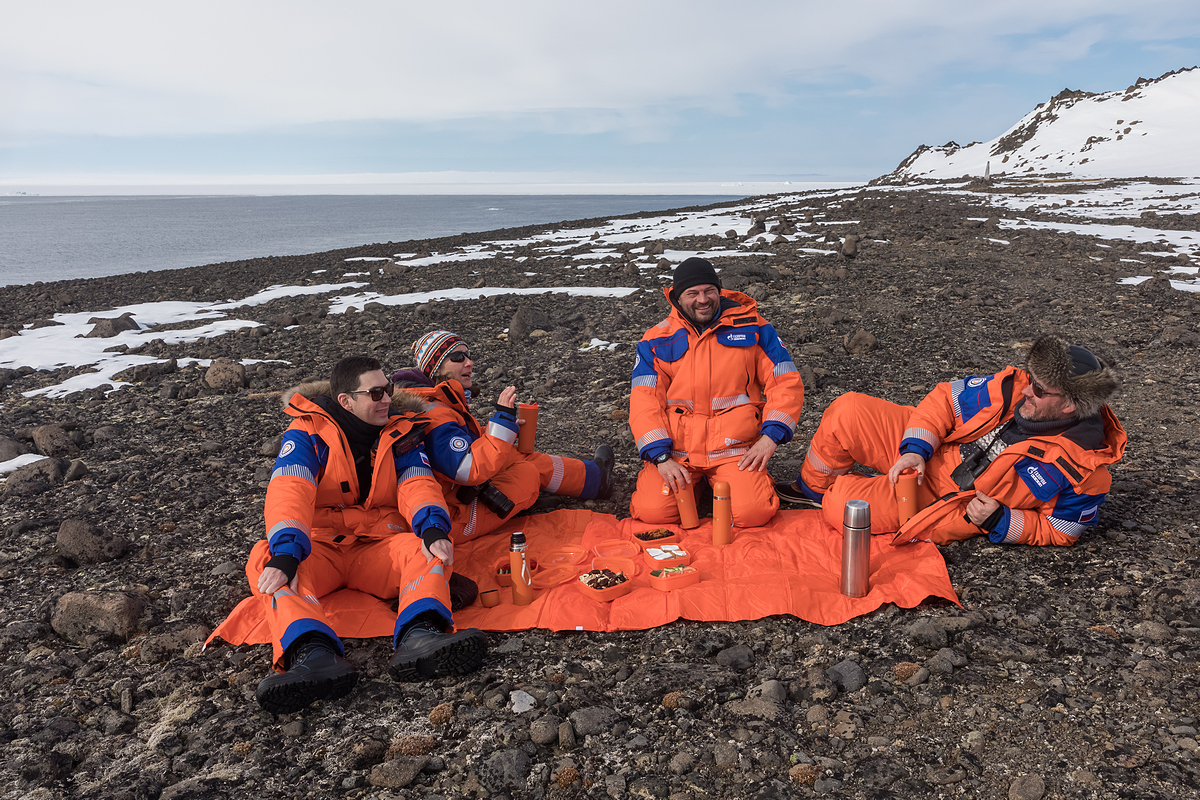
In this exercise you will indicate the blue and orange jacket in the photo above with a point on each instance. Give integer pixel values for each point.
(463, 452)
(707, 397)
(1051, 487)
(313, 493)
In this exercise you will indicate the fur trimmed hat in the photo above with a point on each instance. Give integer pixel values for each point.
(1086, 380)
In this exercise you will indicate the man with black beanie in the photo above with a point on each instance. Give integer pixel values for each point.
(714, 393)
(350, 482)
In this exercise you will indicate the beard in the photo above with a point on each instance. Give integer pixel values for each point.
(1047, 413)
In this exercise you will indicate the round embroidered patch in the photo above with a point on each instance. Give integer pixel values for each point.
(975, 382)
(287, 449)
(458, 444)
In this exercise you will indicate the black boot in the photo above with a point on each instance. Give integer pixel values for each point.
(605, 459)
(425, 652)
(315, 672)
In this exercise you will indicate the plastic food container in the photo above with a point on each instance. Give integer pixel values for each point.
(617, 547)
(673, 538)
(505, 578)
(687, 576)
(564, 555)
(670, 555)
(606, 595)
(550, 577)
(626, 566)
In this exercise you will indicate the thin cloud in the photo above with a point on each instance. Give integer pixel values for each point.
(136, 69)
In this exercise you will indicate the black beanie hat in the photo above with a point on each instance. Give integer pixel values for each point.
(693, 272)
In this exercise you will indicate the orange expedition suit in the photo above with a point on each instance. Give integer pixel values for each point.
(464, 453)
(705, 397)
(1050, 487)
(313, 514)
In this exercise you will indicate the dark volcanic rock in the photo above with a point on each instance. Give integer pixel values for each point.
(106, 328)
(36, 478)
(84, 543)
(89, 616)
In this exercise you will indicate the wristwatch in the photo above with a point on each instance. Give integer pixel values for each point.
(661, 459)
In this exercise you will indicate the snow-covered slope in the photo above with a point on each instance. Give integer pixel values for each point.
(1149, 129)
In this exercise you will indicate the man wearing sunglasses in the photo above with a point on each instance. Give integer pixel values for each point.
(484, 478)
(351, 481)
(1021, 455)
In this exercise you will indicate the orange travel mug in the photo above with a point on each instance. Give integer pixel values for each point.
(685, 498)
(527, 412)
(906, 495)
(722, 513)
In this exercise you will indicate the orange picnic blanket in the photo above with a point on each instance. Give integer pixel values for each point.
(791, 566)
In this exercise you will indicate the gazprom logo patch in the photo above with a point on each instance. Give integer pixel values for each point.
(1036, 475)
(287, 449)
(736, 337)
(975, 383)
(458, 444)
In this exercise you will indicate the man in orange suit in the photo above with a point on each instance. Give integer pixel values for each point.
(1021, 456)
(715, 392)
(352, 503)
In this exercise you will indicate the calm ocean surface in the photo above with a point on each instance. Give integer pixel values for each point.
(56, 238)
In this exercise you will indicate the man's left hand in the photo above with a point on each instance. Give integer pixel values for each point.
(759, 454)
(982, 507)
(442, 548)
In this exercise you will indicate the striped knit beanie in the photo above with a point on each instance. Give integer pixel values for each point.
(431, 349)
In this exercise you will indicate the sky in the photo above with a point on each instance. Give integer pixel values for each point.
(543, 92)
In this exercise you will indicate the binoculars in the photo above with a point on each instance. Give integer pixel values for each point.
(495, 500)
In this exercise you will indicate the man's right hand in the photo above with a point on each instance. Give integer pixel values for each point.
(907, 461)
(674, 474)
(272, 580)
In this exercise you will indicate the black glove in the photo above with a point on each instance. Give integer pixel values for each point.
(432, 535)
(285, 564)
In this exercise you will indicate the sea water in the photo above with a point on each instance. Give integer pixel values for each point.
(58, 238)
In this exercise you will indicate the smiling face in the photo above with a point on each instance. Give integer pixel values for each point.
(1050, 405)
(359, 402)
(459, 371)
(700, 303)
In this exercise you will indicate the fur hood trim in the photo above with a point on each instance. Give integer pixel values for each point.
(402, 401)
(1068, 369)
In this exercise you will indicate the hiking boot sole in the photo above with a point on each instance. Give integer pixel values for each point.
(792, 496)
(455, 654)
(288, 697)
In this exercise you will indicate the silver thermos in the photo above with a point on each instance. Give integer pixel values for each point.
(856, 548)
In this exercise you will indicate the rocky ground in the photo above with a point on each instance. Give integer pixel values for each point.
(1065, 673)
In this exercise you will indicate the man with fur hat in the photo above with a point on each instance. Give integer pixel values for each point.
(485, 479)
(715, 392)
(351, 481)
(1021, 455)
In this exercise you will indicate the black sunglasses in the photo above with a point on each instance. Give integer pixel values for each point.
(376, 393)
(1039, 391)
(458, 356)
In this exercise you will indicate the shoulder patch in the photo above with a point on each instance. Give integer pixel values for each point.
(459, 444)
(975, 383)
(287, 449)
